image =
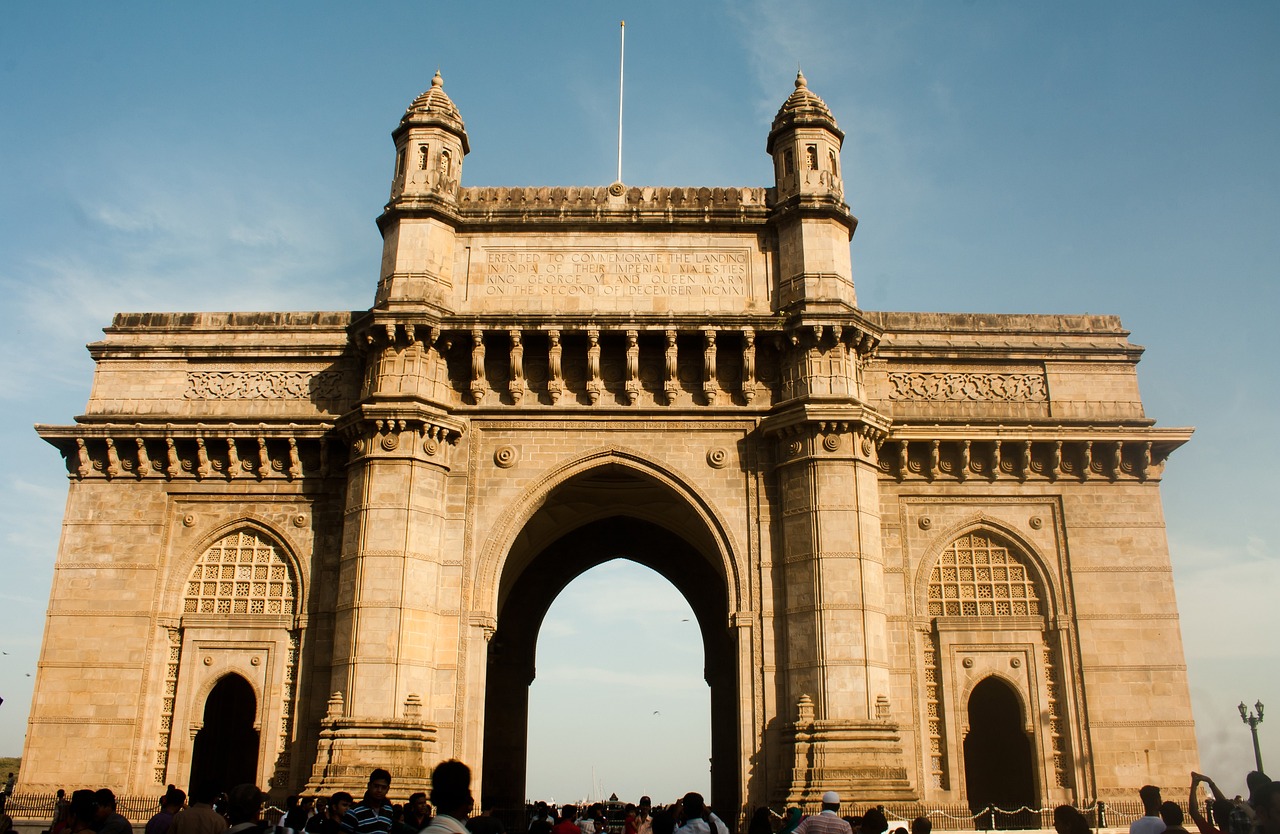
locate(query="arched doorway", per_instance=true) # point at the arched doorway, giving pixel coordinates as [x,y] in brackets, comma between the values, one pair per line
[611,512]
[997,755]
[225,752]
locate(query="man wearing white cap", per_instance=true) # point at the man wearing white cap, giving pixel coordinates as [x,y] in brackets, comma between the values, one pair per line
[829,821]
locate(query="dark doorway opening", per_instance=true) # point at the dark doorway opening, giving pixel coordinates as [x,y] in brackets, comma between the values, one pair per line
[997,759]
[225,753]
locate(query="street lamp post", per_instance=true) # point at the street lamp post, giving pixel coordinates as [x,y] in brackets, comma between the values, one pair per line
[1253,721]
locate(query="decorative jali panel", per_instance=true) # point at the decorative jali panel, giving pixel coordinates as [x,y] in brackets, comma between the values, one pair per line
[242,573]
[979,576]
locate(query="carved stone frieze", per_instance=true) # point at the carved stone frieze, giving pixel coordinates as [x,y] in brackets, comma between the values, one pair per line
[971,387]
[267,385]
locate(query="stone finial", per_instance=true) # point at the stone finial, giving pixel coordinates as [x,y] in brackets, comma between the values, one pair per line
[437,80]
[336,707]
[801,82]
[413,708]
[804,710]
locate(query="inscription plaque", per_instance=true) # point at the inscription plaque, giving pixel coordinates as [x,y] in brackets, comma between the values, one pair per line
[614,272]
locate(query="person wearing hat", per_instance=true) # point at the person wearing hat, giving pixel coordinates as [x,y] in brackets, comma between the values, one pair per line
[829,821]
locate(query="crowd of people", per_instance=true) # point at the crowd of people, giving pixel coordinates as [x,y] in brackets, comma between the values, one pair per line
[240,811]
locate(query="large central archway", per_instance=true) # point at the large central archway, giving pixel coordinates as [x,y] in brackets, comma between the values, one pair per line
[607,513]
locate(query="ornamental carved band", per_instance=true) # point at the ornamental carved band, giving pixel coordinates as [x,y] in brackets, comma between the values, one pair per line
[265,385]
[968,386]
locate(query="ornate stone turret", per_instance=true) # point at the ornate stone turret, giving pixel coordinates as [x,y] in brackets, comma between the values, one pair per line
[419,223]
[430,143]
[814,224]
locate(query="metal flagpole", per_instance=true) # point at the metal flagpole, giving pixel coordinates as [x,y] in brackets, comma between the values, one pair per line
[622,55]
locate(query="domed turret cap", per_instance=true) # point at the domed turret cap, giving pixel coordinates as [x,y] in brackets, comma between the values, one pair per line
[434,107]
[803,108]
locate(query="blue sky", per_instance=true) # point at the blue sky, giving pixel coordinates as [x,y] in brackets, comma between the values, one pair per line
[1001,156]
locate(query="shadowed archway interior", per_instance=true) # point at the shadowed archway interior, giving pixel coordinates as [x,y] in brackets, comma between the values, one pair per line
[225,753]
[610,513]
[997,754]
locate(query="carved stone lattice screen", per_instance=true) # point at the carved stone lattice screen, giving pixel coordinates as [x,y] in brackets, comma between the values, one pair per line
[240,574]
[979,576]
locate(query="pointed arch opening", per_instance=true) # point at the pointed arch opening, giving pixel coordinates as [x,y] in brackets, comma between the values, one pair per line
[998,763]
[608,512]
[225,751]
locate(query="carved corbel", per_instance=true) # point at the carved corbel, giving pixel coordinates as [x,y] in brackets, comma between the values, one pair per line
[995,461]
[479,384]
[82,458]
[671,380]
[172,465]
[1086,460]
[935,459]
[144,462]
[1055,460]
[1024,461]
[112,467]
[555,375]
[233,459]
[594,384]
[203,468]
[962,461]
[1144,461]
[904,458]
[295,462]
[709,365]
[1115,452]
[264,459]
[516,385]
[748,365]
[633,367]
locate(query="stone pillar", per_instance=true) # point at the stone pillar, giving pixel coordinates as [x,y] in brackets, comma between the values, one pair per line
[836,655]
[394,587]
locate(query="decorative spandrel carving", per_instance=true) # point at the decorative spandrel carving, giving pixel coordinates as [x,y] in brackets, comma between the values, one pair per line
[971,387]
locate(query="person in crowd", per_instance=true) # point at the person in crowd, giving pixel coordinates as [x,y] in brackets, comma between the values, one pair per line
[664,821]
[629,819]
[1172,816]
[793,818]
[297,811]
[761,823]
[451,796]
[874,821]
[1219,825]
[109,821]
[6,821]
[199,817]
[334,811]
[1266,804]
[921,825]
[417,813]
[9,783]
[372,814]
[644,816]
[244,809]
[1068,820]
[485,822]
[84,812]
[1150,823]
[61,813]
[568,823]
[695,817]
[828,821]
[541,813]
[170,804]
